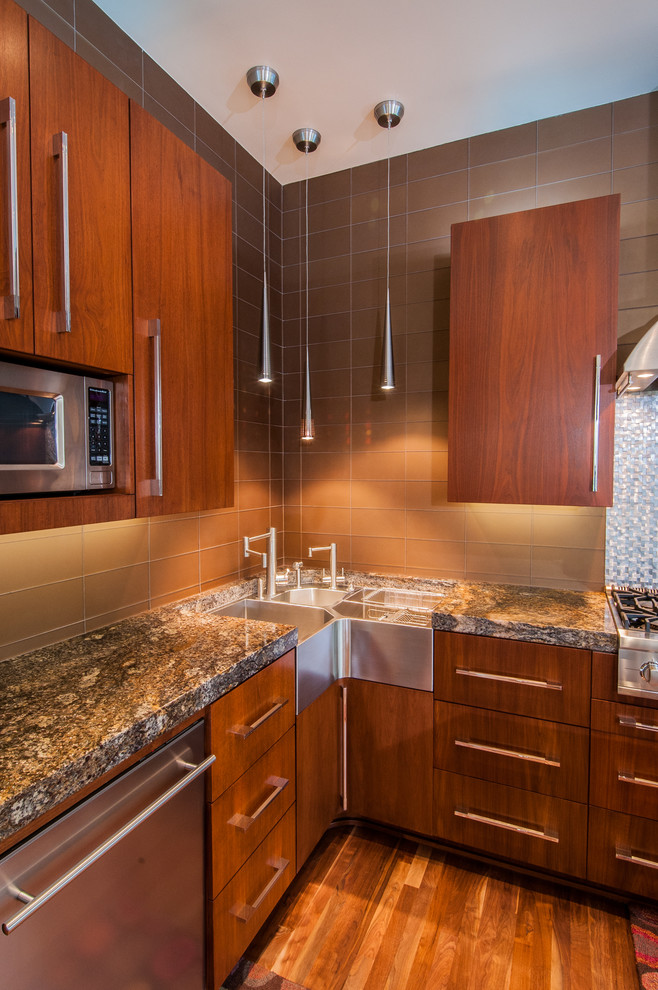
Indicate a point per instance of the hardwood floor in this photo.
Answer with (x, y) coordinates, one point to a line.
(371, 912)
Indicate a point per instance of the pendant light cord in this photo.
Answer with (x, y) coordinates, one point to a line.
(306, 228)
(388, 207)
(262, 100)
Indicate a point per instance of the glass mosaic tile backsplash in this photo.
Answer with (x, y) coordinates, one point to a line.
(632, 523)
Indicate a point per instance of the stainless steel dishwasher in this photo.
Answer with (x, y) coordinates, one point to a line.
(111, 895)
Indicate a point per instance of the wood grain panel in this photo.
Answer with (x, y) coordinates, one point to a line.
(77, 510)
(530, 753)
(66, 94)
(560, 842)
(319, 761)
(16, 334)
(625, 720)
(624, 774)
(231, 934)
(612, 835)
(389, 733)
(561, 694)
(533, 300)
(246, 704)
(233, 839)
(182, 272)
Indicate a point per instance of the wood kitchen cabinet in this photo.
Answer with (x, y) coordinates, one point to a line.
(252, 809)
(511, 749)
(533, 302)
(183, 343)
(389, 732)
(68, 97)
(16, 319)
(320, 768)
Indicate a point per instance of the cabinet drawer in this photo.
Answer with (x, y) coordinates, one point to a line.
(243, 815)
(624, 774)
(547, 757)
(250, 719)
(625, 720)
(508, 822)
(551, 682)
(623, 852)
(244, 904)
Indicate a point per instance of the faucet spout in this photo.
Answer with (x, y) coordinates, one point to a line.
(268, 558)
(332, 562)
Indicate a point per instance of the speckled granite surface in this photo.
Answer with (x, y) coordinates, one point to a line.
(72, 711)
(507, 611)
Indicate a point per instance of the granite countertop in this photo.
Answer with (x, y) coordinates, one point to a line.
(72, 711)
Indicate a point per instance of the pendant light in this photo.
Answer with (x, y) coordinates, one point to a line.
(263, 82)
(388, 114)
(306, 139)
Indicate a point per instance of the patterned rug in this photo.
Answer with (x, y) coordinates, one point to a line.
(249, 976)
(644, 928)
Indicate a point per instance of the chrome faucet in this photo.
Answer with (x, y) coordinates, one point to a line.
(332, 562)
(268, 558)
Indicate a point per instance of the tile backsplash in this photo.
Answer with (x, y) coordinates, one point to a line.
(632, 526)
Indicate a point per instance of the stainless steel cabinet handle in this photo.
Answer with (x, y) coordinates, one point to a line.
(155, 334)
(631, 723)
(629, 857)
(245, 911)
(12, 307)
(61, 154)
(534, 833)
(503, 751)
(243, 822)
(343, 693)
(246, 730)
(629, 778)
(597, 421)
(509, 679)
(35, 902)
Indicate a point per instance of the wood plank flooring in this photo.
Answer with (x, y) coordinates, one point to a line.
(372, 912)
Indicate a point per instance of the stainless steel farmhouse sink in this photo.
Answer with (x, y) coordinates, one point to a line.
(308, 620)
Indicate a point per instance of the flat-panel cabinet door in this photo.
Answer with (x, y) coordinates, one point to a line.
(16, 325)
(81, 209)
(533, 329)
(181, 212)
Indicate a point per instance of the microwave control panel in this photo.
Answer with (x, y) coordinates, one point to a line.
(99, 436)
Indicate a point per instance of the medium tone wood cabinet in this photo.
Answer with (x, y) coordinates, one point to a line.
(389, 778)
(85, 186)
(182, 287)
(16, 331)
(533, 315)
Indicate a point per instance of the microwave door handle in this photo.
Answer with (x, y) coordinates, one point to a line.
(61, 155)
(154, 332)
(12, 307)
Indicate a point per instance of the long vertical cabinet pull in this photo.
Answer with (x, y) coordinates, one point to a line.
(12, 308)
(597, 421)
(343, 692)
(61, 155)
(154, 332)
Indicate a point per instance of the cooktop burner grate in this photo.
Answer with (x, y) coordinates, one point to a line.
(637, 607)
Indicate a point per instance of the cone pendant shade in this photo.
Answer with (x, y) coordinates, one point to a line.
(388, 367)
(265, 360)
(308, 426)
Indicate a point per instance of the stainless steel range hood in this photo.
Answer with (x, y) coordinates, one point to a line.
(641, 365)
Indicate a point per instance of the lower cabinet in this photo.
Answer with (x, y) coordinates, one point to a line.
(389, 766)
(320, 762)
(252, 811)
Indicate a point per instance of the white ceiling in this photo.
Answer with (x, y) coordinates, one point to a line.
(460, 67)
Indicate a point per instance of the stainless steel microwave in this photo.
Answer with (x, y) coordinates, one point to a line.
(56, 431)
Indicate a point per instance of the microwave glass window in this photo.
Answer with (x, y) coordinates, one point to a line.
(98, 407)
(29, 431)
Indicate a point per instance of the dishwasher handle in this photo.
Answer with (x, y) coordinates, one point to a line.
(33, 903)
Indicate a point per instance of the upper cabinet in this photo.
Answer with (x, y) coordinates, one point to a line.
(81, 209)
(183, 317)
(533, 337)
(71, 135)
(16, 323)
